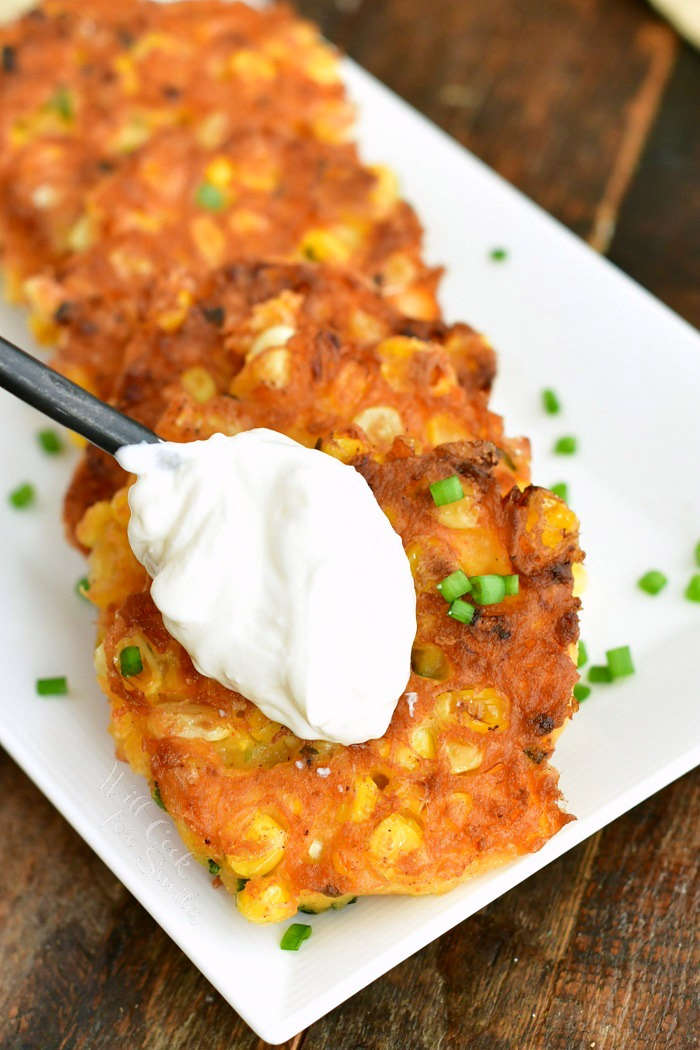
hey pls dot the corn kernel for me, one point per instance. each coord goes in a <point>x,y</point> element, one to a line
<point>393,838</point>
<point>324,246</point>
<point>124,66</point>
<point>381,424</point>
<point>365,798</point>
<point>219,172</point>
<point>423,742</point>
<point>133,134</point>
<point>580,579</point>
<point>385,191</point>
<point>482,710</point>
<point>81,234</point>
<point>322,66</point>
<point>212,131</point>
<point>171,320</point>
<point>198,383</point>
<point>276,336</point>
<point>429,661</point>
<point>463,757</point>
<point>251,65</point>
<point>261,847</point>
<point>265,901</point>
<point>443,428</point>
<point>209,240</point>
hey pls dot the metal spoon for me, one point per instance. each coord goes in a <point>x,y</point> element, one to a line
<point>66,402</point>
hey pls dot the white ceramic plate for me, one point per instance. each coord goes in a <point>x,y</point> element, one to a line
<point>628,372</point>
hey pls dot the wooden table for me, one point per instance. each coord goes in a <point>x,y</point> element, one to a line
<point>590,107</point>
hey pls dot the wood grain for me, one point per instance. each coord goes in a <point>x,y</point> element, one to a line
<point>589,106</point>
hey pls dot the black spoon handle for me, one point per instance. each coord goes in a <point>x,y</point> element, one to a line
<point>67,403</point>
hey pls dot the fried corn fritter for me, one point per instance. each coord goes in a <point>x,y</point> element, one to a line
<point>306,350</point>
<point>144,139</point>
<point>183,212</point>
<point>86,84</point>
<point>179,210</point>
<point>461,780</point>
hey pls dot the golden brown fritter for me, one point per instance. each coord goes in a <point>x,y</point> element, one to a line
<point>144,139</point>
<point>86,84</point>
<point>460,781</point>
<point>306,350</point>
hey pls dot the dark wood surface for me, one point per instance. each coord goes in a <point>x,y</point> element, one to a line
<point>590,107</point>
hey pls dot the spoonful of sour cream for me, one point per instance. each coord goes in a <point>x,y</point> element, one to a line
<point>270,562</point>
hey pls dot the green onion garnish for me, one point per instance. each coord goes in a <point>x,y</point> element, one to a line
<point>130,661</point>
<point>550,402</point>
<point>512,584</point>
<point>214,868</point>
<point>448,490</point>
<point>692,591</point>
<point>581,692</point>
<point>561,489</point>
<point>454,585</point>
<point>600,673</point>
<point>620,661</point>
<point>23,496</point>
<point>210,197</point>
<point>62,103</point>
<point>52,686</point>
<point>652,582</point>
<point>462,611</point>
<point>50,441</point>
<point>294,936</point>
<point>157,797</point>
<point>566,446</point>
<point>697,553</point>
<point>498,255</point>
<point>582,654</point>
<point>82,586</point>
<point>488,590</point>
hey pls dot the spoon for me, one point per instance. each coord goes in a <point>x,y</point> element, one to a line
<point>66,402</point>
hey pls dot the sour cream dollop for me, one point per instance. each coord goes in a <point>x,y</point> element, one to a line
<point>276,569</point>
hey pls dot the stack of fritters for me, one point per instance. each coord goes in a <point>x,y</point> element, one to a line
<point>182,211</point>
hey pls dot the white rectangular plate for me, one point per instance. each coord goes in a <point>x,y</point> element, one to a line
<point>628,372</point>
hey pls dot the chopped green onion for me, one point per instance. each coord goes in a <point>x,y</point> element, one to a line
<point>454,585</point>
<point>582,654</point>
<point>620,661</point>
<point>210,197</point>
<point>566,446</point>
<point>462,611</point>
<point>600,673</point>
<point>512,584</point>
<point>697,553</point>
<point>157,797</point>
<point>652,582</point>
<point>581,692</point>
<point>82,586</point>
<point>240,883</point>
<point>448,490</point>
<point>50,441</point>
<point>130,661</point>
<point>214,868</point>
<point>52,686</point>
<point>62,103</point>
<point>561,489</point>
<point>23,496</point>
<point>550,402</point>
<point>488,590</point>
<point>294,936</point>
<point>692,591</point>
<point>498,255</point>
